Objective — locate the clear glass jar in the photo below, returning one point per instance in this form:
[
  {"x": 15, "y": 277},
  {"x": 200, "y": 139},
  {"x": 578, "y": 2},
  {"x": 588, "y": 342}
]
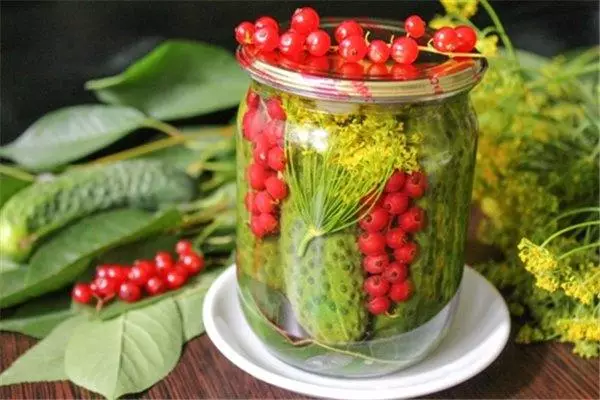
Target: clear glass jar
[{"x": 353, "y": 198}]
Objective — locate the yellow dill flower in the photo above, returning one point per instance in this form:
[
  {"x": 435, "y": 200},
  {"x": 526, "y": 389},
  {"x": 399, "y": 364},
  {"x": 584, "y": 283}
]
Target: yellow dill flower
[
  {"x": 541, "y": 263},
  {"x": 464, "y": 8},
  {"x": 439, "y": 21},
  {"x": 573, "y": 329},
  {"x": 583, "y": 284},
  {"x": 488, "y": 46}
]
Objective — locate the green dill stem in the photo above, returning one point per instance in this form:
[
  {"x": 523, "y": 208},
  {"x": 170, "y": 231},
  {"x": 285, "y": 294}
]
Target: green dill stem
[
  {"x": 311, "y": 233},
  {"x": 576, "y": 211},
  {"x": 429, "y": 49},
  {"x": 577, "y": 249},
  {"x": 141, "y": 150},
  {"x": 16, "y": 173},
  {"x": 500, "y": 28},
  {"x": 569, "y": 74},
  {"x": 163, "y": 127},
  {"x": 567, "y": 229}
]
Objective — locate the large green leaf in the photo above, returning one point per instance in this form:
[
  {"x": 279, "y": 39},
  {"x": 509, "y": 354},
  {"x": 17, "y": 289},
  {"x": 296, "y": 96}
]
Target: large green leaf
[
  {"x": 126, "y": 354},
  {"x": 178, "y": 79},
  {"x": 66, "y": 255},
  {"x": 10, "y": 185},
  {"x": 70, "y": 133},
  {"x": 38, "y": 317},
  {"x": 44, "y": 361}
]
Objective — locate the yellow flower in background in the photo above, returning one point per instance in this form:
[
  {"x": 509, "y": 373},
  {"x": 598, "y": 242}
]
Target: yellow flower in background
[
  {"x": 541, "y": 263},
  {"x": 464, "y": 8},
  {"x": 573, "y": 329},
  {"x": 441, "y": 21},
  {"x": 488, "y": 46}
]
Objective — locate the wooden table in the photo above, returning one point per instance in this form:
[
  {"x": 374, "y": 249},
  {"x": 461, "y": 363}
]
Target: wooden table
[{"x": 545, "y": 371}]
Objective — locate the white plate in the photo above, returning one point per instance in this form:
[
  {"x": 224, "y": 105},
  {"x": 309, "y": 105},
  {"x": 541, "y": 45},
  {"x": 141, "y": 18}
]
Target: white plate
[{"x": 476, "y": 337}]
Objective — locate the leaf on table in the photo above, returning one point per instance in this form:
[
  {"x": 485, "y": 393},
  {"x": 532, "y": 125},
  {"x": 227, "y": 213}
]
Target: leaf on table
[
  {"x": 10, "y": 185},
  {"x": 66, "y": 255},
  {"x": 70, "y": 133},
  {"x": 39, "y": 317},
  {"x": 45, "y": 361},
  {"x": 126, "y": 354},
  {"x": 178, "y": 79},
  {"x": 191, "y": 301}
]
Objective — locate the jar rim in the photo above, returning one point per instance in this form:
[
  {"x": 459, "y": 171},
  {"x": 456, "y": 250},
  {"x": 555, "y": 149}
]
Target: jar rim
[{"x": 436, "y": 80}]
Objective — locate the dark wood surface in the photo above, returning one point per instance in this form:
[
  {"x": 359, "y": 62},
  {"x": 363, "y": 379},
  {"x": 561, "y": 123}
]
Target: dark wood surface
[{"x": 545, "y": 371}]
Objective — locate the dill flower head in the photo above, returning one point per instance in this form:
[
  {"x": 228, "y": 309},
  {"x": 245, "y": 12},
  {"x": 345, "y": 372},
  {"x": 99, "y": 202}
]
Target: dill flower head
[
  {"x": 574, "y": 329},
  {"x": 541, "y": 263},
  {"x": 488, "y": 45},
  {"x": 464, "y": 8}
]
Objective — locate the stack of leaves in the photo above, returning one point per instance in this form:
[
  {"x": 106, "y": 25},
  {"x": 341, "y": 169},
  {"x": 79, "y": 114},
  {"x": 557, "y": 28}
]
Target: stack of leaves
[
  {"x": 66, "y": 210},
  {"x": 537, "y": 179}
]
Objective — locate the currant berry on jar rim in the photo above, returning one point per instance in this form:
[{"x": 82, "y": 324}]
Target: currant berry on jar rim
[{"x": 305, "y": 42}]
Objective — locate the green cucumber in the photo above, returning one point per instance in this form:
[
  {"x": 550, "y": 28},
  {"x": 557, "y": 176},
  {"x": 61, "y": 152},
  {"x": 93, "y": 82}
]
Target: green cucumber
[
  {"x": 46, "y": 206},
  {"x": 324, "y": 285}
]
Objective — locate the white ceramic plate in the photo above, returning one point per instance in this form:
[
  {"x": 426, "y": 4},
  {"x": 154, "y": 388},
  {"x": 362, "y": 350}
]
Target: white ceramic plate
[{"x": 476, "y": 337}]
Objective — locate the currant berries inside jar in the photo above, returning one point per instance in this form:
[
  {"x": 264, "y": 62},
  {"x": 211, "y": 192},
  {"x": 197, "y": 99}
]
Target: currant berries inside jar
[{"x": 355, "y": 149}]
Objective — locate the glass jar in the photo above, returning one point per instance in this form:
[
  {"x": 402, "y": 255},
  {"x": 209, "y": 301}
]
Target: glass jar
[{"x": 353, "y": 197}]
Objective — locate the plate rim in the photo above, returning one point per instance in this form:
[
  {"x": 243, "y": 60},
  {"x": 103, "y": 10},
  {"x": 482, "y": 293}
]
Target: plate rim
[{"x": 312, "y": 389}]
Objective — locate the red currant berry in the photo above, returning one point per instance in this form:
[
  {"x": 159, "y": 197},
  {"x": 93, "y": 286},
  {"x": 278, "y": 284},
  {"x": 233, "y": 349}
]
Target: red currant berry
[
  {"x": 291, "y": 44},
  {"x": 141, "y": 272},
  {"x": 395, "y": 272},
  {"x": 378, "y": 305},
  {"x": 412, "y": 220},
  {"x": 264, "y": 22},
  {"x": 266, "y": 39},
  {"x": 129, "y": 292},
  {"x": 276, "y": 187},
  {"x": 175, "y": 279},
  {"x": 276, "y": 158},
  {"x": 316, "y": 65},
  {"x": 274, "y": 132},
  {"x": 375, "y": 220},
  {"x": 376, "y": 264},
  {"x": 414, "y": 26},
  {"x": 379, "y": 51},
  {"x": 371, "y": 243},
  {"x": 467, "y": 38},
  {"x": 395, "y": 203},
  {"x": 244, "y": 32},
  {"x": 81, "y": 293},
  {"x": 375, "y": 286},
  {"x": 351, "y": 70},
  {"x": 274, "y": 109},
  {"x": 252, "y": 99},
  {"x": 353, "y": 48},
  {"x": 378, "y": 70},
  {"x": 94, "y": 288},
  {"x": 401, "y": 291},
  {"x": 407, "y": 253},
  {"x": 264, "y": 203},
  {"x": 252, "y": 123},
  {"x": 346, "y": 29},
  {"x": 416, "y": 184},
  {"x": 155, "y": 285},
  {"x": 268, "y": 223},
  {"x": 396, "y": 182},
  {"x": 403, "y": 72},
  {"x": 445, "y": 39},
  {"x": 106, "y": 287},
  {"x": 260, "y": 150},
  {"x": 257, "y": 175},
  {"x": 250, "y": 204},
  {"x": 256, "y": 226},
  {"x": 305, "y": 20},
  {"x": 118, "y": 274},
  {"x": 183, "y": 246},
  {"x": 102, "y": 271},
  {"x": 396, "y": 238},
  {"x": 193, "y": 262},
  {"x": 163, "y": 262},
  {"x": 405, "y": 50},
  {"x": 318, "y": 43}
]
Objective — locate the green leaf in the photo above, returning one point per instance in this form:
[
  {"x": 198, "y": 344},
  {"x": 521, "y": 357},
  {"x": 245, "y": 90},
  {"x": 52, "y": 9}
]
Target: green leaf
[
  {"x": 66, "y": 255},
  {"x": 45, "y": 361},
  {"x": 39, "y": 317},
  {"x": 70, "y": 133},
  {"x": 178, "y": 79},
  {"x": 190, "y": 303},
  {"x": 10, "y": 185},
  {"x": 127, "y": 354}
]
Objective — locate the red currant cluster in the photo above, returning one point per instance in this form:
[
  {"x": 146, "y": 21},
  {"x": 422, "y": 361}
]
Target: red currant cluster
[
  {"x": 386, "y": 240},
  {"x": 304, "y": 36},
  {"x": 155, "y": 277},
  {"x": 263, "y": 125}
]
